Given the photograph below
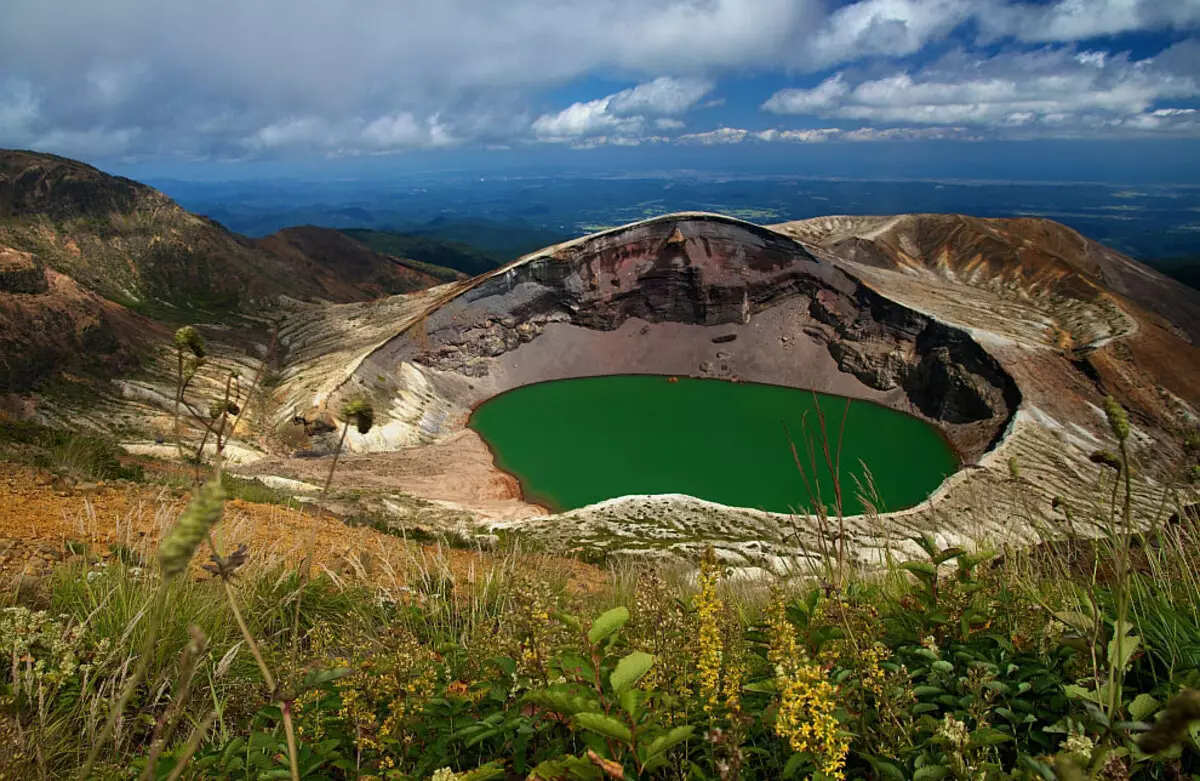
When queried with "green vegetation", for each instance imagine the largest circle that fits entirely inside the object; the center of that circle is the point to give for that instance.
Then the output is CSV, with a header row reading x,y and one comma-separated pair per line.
x,y
577,442
1074,659
82,456
949,665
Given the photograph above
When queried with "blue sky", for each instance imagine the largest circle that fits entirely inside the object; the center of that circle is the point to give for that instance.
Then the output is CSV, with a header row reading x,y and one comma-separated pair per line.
x,y
182,87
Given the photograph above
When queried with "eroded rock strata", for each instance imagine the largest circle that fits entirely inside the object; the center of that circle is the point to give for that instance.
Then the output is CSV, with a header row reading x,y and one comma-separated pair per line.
x,y
699,295
1006,334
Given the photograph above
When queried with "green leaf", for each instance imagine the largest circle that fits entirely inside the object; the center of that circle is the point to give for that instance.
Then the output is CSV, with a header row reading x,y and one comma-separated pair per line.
x,y
486,772
603,725
931,773
629,702
568,619
886,768
1043,770
664,743
630,670
947,555
1143,707
928,691
922,569
1084,624
1122,647
794,763
607,623
943,666
565,769
988,736
1079,693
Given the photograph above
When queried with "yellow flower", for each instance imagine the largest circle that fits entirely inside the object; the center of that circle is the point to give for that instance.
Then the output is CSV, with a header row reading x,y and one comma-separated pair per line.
x,y
807,700
708,611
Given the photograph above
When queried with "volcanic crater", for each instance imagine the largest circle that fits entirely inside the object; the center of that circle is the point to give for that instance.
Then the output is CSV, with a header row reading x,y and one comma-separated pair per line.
x,y
696,295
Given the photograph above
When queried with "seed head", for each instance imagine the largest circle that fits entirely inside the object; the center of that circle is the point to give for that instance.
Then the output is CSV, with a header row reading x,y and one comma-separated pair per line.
x,y
219,408
1118,418
361,413
201,514
188,338
1106,458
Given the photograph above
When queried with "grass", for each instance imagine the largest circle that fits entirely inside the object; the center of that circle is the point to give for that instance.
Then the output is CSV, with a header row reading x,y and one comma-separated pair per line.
x,y
80,455
1058,661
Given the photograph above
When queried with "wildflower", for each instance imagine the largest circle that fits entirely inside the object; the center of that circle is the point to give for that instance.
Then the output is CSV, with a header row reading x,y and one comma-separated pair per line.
x,y
444,774
870,672
929,643
1079,746
807,701
202,514
954,733
708,611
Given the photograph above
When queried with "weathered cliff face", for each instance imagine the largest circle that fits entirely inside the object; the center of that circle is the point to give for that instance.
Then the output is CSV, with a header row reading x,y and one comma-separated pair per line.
x,y
689,294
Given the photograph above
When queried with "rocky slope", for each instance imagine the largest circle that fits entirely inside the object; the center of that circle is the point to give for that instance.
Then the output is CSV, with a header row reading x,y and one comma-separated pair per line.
x,y
346,269
1006,334
89,263
132,244
50,324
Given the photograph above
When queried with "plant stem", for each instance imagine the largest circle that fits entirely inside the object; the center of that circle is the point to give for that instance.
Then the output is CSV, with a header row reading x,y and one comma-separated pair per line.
x,y
139,673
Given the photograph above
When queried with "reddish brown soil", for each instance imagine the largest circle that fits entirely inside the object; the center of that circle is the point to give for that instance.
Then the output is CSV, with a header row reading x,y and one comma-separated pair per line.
x,y
44,518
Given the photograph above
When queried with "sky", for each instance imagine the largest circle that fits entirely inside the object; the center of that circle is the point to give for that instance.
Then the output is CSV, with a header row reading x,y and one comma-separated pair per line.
x,y
189,88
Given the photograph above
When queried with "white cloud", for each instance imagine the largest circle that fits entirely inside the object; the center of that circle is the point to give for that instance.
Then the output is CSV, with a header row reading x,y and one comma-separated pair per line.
x,y
1079,20
731,135
1055,88
882,27
798,136
625,113
664,95
224,78
722,135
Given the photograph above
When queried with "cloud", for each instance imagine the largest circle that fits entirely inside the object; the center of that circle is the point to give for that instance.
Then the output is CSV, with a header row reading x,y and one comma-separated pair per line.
x,y
316,69
882,27
625,113
731,135
722,135
1079,20
1060,89
229,78
19,108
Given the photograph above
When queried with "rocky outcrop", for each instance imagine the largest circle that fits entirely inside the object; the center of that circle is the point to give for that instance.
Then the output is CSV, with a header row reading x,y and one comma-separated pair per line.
x,y
21,272
49,324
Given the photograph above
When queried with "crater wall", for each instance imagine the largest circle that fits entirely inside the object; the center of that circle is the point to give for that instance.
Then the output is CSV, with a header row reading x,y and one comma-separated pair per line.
x,y
695,294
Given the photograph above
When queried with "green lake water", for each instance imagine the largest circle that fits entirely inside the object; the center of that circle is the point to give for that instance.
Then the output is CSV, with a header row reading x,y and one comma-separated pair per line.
x,y
576,442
